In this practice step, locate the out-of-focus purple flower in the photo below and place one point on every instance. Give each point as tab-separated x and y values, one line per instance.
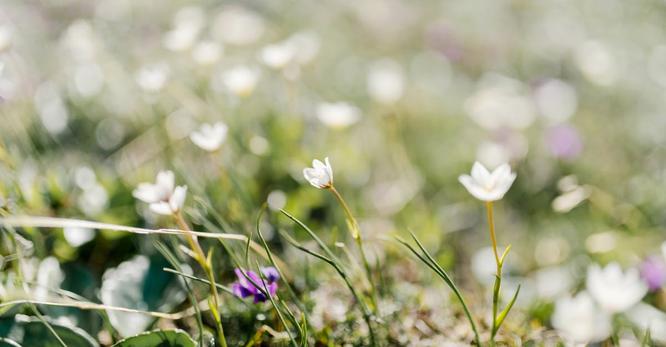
270	273
653	272
245	287
564	141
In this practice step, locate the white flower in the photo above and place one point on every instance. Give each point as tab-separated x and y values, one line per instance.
386	81
338	114
580	320
241	80
487	186
647	317
278	55
161	195
77	236
238	26
320	175
207	52
305	45
5	38
614	290
153	78
210	137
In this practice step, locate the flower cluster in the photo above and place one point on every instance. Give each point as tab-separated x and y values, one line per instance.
248	281
587	317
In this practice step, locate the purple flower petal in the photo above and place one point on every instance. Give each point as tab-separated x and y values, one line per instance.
271	274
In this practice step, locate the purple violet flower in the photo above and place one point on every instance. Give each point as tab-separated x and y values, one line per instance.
653	272
244	288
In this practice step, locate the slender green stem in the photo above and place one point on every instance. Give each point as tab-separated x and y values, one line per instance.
201	258
498	275
356	234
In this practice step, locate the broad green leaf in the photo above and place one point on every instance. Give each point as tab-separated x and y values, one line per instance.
32	332
139	283
158	338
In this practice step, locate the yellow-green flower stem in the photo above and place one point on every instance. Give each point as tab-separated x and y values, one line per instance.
498	275
356	234
207	266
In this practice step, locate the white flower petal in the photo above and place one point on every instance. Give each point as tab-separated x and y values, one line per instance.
480	173
165	180
178	198
146	192
161	207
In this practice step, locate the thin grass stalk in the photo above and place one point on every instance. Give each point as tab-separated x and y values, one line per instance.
207	266
356	235
432	264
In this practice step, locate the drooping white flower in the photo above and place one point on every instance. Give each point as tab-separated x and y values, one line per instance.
210	137
487	186
320	175
579	320
338	114
614	290
161	195
241	80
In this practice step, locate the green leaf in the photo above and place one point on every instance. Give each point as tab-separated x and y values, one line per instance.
32	332
505	312
139	283
8	343
158	338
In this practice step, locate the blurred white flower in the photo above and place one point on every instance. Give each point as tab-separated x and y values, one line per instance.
77	236
5	38
51	107
647	317
238	26
492	153
579	319
338	114
49	277
277	55
187	25
483	265
551	282
487	186
305	45
597	62
614	290
500	102
386	81
207	52
276	200
152	78
210	137
320	175
88	79
241	80
161	195
94	200
556	100
180	38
